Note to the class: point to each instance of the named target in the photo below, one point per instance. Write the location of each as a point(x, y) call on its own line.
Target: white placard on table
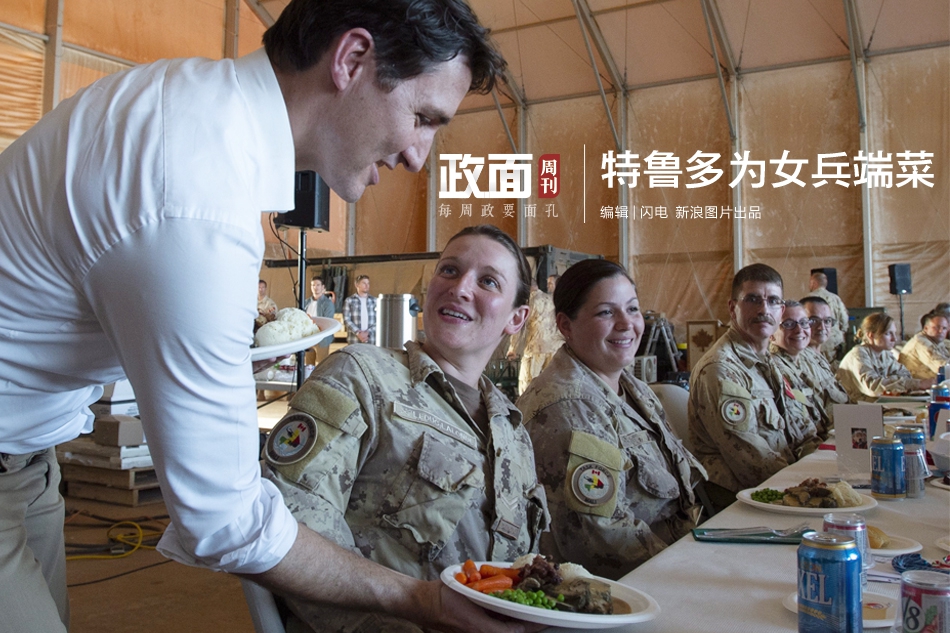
point(855, 426)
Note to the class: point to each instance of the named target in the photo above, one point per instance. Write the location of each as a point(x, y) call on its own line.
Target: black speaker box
point(900, 279)
point(311, 204)
point(832, 275)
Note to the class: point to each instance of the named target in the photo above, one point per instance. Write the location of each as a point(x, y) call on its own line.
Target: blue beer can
point(910, 436)
point(829, 584)
point(887, 469)
point(933, 411)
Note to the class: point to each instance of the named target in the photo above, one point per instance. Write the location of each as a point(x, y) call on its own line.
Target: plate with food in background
point(291, 332)
point(534, 590)
point(811, 498)
point(884, 544)
point(878, 611)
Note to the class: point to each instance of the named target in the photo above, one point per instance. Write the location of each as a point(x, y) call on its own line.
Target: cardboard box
point(104, 409)
point(118, 430)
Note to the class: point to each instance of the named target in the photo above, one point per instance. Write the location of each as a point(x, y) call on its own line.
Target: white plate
point(642, 606)
point(327, 328)
point(745, 496)
point(791, 603)
point(898, 545)
point(943, 543)
point(938, 483)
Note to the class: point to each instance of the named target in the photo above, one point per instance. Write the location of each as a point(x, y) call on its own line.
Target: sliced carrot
point(461, 578)
point(487, 571)
point(495, 583)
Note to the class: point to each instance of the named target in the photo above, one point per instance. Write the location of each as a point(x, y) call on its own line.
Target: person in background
point(359, 314)
point(552, 283)
point(925, 352)
point(318, 305)
point(818, 287)
point(266, 307)
point(819, 374)
point(541, 338)
point(414, 459)
point(788, 348)
point(870, 370)
point(137, 203)
point(618, 481)
point(743, 423)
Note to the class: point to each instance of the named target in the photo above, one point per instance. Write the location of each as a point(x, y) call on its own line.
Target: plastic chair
point(263, 608)
point(674, 399)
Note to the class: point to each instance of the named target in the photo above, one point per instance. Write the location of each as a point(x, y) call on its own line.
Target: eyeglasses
point(790, 324)
point(817, 321)
point(756, 300)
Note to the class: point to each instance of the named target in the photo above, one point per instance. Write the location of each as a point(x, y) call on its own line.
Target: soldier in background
point(819, 373)
point(540, 337)
point(818, 287)
point(925, 353)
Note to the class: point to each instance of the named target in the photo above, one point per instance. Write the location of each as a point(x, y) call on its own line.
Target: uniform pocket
point(651, 468)
point(443, 484)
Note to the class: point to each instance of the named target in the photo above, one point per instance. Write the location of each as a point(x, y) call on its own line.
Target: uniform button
point(497, 452)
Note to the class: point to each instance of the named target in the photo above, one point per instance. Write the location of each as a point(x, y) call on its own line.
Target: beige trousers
point(32, 549)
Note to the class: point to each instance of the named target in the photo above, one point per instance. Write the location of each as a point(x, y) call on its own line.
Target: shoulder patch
point(734, 410)
point(593, 485)
point(292, 439)
point(334, 406)
point(730, 388)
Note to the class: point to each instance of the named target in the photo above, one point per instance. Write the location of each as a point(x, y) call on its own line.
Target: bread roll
point(877, 537)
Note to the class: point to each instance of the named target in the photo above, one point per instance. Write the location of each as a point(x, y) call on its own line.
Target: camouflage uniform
point(836, 337)
point(806, 390)
point(400, 473)
point(866, 374)
point(541, 339)
point(744, 424)
point(576, 422)
point(819, 375)
point(922, 357)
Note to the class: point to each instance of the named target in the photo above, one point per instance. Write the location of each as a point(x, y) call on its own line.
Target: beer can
point(829, 584)
point(854, 526)
point(933, 412)
point(925, 603)
point(910, 436)
point(887, 469)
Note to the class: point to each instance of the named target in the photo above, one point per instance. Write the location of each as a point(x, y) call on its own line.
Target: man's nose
point(414, 157)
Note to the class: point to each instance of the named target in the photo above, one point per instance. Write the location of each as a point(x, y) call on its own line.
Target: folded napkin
point(709, 535)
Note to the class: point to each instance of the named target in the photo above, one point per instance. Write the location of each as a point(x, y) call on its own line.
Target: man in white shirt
point(137, 204)
point(359, 314)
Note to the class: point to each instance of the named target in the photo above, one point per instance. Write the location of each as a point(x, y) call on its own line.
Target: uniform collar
point(744, 350)
point(274, 158)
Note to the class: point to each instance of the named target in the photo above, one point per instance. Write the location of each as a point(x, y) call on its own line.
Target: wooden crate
point(131, 479)
point(120, 496)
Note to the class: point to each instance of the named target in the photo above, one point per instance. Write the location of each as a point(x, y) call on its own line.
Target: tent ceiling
point(652, 42)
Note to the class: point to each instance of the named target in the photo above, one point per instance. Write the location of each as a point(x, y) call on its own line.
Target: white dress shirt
point(130, 245)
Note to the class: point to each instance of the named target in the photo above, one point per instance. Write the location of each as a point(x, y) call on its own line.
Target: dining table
point(707, 587)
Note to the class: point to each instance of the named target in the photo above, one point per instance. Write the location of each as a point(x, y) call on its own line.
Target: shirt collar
point(275, 159)
point(743, 349)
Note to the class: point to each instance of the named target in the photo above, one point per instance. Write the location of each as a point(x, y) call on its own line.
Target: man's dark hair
point(815, 300)
point(410, 37)
point(930, 316)
point(523, 291)
point(576, 283)
point(755, 272)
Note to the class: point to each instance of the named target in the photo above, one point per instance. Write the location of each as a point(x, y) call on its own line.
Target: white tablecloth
point(707, 587)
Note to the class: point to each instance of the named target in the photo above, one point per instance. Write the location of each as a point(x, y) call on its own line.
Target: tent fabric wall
point(21, 84)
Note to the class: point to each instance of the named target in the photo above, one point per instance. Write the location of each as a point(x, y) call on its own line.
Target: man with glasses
point(820, 373)
point(818, 287)
point(743, 420)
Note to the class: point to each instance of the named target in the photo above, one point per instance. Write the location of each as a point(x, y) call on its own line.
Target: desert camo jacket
point(744, 422)
point(577, 425)
point(399, 472)
point(922, 357)
point(866, 374)
point(813, 384)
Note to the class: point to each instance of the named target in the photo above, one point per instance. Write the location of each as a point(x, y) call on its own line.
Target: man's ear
point(517, 320)
point(350, 56)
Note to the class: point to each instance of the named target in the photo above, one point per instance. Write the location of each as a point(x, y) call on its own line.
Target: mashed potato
point(291, 324)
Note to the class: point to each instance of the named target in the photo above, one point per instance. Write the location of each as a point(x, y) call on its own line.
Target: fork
point(758, 530)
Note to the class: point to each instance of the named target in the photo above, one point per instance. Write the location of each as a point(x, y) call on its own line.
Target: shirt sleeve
point(348, 317)
point(177, 301)
point(887, 375)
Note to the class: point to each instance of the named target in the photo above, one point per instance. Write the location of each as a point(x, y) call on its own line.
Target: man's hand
point(363, 336)
point(512, 356)
point(451, 612)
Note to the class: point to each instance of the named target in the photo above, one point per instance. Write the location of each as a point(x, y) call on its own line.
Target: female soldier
point(619, 482)
point(870, 370)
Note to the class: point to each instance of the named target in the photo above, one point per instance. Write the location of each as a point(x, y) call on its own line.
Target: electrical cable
point(125, 573)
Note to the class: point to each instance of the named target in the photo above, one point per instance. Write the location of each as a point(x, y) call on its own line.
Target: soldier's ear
point(563, 325)
point(518, 317)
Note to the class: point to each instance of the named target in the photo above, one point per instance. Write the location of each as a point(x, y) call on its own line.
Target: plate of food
point(941, 482)
point(291, 332)
point(878, 611)
point(811, 497)
point(943, 543)
point(588, 602)
point(884, 544)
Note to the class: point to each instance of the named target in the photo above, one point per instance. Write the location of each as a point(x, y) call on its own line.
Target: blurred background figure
point(359, 314)
point(540, 337)
point(266, 307)
point(926, 352)
point(618, 481)
point(818, 287)
point(870, 369)
point(318, 305)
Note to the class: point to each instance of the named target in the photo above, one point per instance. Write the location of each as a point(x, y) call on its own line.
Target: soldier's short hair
point(523, 292)
point(815, 300)
point(575, 284)
point(755, 272)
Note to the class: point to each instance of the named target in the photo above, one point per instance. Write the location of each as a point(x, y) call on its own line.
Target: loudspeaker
point(900, 279)
point(311, 204)
point(832, 275)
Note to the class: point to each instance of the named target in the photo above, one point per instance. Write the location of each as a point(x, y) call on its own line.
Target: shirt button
point(497, 452)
